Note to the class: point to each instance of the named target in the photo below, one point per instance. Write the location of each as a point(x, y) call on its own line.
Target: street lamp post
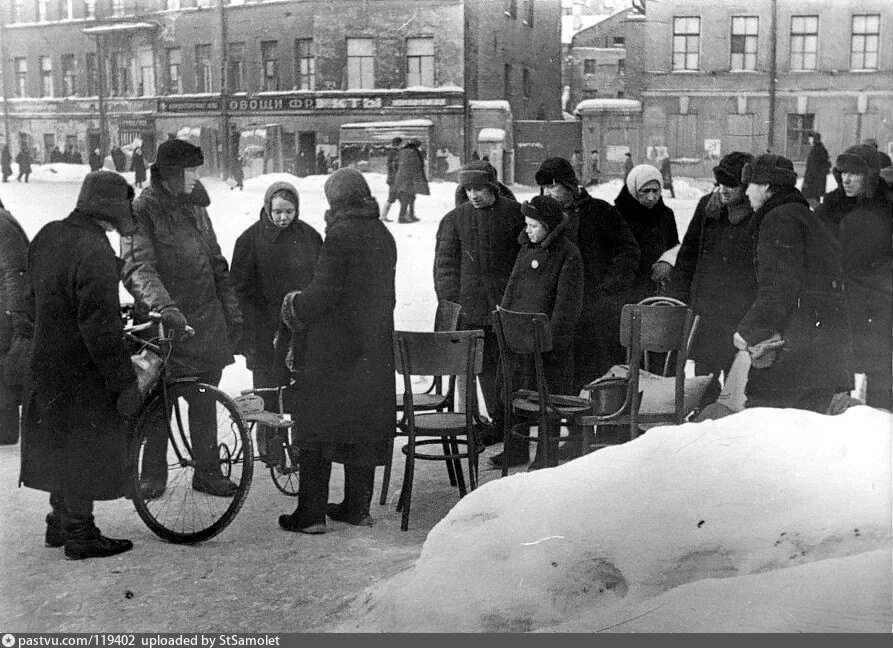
point(224, 95)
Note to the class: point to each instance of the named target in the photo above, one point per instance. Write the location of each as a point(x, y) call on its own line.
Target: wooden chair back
point(523, 333)
point(448, 353)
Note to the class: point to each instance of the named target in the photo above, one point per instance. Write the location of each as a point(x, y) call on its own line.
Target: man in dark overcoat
point(173, 265)
point(815, 176)
point(799, 298)
point(345, 409)
point(82, 384)
point(477, 244)
point(392, 163)
point(16, 328)
point(410, 180)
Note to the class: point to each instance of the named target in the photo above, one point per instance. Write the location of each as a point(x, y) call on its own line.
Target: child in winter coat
point(547, 278)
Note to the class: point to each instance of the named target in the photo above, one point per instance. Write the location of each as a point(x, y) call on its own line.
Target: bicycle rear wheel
point(168, 451)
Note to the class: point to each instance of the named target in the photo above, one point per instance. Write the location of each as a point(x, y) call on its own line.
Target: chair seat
point(525, 406)
point(266, 418)
point(423, 401)
point(440, 423)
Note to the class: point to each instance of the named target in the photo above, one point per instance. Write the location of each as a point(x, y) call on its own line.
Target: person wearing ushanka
point(82, 385)
point(714, 271)
point(274, 256)
point(547, 278)
point(797, 330)
point(859, 214)
point(173, 265)
point(345, 410)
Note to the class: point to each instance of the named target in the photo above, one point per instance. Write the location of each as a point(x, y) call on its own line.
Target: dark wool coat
point(345, 395)
point(23, 159)
point(73, 439)
point(410, 177)
point(474, 256)
point(716, 276)
point(800, 295)
point(610, 255)
point(268, 263)
point(864, 228)
point(13, 288)
point(815, 175)
point(95, 161)
point(393, 162)
point(655, 232)
point(138, 166)
point(6, 161)
point(173, 259)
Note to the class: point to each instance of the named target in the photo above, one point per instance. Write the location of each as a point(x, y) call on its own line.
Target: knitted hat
point(545, 209)
point(346, 187)
point(770, 169)
point(861, 158)
point(478, 174)
point(178, 154)
point(105, 195)
point(728, 171)
point(556, 170)
point(640, 175)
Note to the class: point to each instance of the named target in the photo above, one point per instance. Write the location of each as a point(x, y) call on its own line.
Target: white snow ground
point(796, 531)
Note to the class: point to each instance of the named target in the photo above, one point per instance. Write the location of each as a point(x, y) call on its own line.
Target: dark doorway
point(306, 158)
point(92, 140)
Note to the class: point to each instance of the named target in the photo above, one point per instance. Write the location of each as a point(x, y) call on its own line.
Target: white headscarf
point(640, 175)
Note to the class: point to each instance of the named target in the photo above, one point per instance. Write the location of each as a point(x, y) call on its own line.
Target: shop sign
point(142, 123)
point(320, 103)
point(189, 105)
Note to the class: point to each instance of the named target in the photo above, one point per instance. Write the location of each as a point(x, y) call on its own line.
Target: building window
point(511, 9)
point(146, 66)
point(682, 135)
point(42, 13)
point(46, 76)
point(69, 75)
point(686, 42)
point(305, 64)
point(172, 5)
point(360, 63)
point(744, 42)
point(20, 65)
point(120, 77)
point(804, 42)
point(530, 13)
point(618, 41)
point(525, 83)
point(117, 8)
point(90, 8)
point(507, 80)
point(66, 9)
point(235, 57)
point(799, 128)
point(174, 77)
point(269, 54)
point(864, 45)
point(621, 67)
point(92, 76)
point(589, 66)
point(203, 77)
point(18, 11)
point(420, 62)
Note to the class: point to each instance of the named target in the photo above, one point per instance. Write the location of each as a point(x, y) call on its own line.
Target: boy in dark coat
point(23, 159)
point(273, 257)
point(610, 255)
point(547, 278)
point(477, 244)
point(82, 383)
point(714, 271)
point(346, 410)
point(16, 328)
point(799, 298)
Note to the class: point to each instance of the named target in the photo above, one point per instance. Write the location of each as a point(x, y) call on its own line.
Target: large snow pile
point(60, 172)
point(766, 520)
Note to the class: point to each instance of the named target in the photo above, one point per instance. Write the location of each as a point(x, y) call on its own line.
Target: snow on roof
point(600, 105)
point(496, 104)
point(491, 135)
point(390, 124)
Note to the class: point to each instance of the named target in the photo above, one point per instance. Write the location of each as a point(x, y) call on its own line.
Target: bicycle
point(282, 454)
point(180, 513)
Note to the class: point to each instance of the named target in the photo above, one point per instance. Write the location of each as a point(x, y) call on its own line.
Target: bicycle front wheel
point(192, 463)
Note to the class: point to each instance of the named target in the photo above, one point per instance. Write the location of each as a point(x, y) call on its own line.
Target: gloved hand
point(129, 400)
point(661, 271)
point(174, 321)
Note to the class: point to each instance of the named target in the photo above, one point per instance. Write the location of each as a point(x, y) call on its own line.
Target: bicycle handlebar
point(154, 318)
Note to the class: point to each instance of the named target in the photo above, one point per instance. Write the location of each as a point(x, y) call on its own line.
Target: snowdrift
point(765, 520)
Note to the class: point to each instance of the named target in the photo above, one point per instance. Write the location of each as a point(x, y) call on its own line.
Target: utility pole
point(100, 81)
point(224, 90)
point(773, 72)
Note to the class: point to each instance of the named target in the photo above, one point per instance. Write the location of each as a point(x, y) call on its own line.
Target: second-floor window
point(590, 66)
point(305, 64)
point(269, 55)
point(236, 67)
point(686, 42)
point(511, 9)
point(804, 42)
point(744, 42)
point(864, 45)
point(92, 75)
point(174, 75)
point(20, 65)
point(18, 11)
point(42, 10)
point(172, 5)
point(117, 8)
point(69, 75)
point(90, 8)
point(203, 78)
point(46, 76)
point(66, 9)
point(419, 62)
point(360, 63)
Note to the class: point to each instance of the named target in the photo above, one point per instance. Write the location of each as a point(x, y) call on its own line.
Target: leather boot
point(153, 470)
point(313, 494)
point(82, 538)
point(358, 486)
point(55, 532)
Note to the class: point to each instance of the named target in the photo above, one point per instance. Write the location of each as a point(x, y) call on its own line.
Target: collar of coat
point(87, 222)
point(783, 196)
point(367, 211)
point(199, 196)
point(551, 237)
point(737, 212)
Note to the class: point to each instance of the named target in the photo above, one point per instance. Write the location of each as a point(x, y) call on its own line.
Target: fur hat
point(105, 195)
point(346, 187)
point(556, 170)
point(640, 175)
point(862, 158)
point(770, 169)
point(478, 174)
point(178, 154)
point(545, 209)
point(728, 171)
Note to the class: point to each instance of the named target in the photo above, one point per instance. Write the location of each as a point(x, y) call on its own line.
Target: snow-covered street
point(696, 523)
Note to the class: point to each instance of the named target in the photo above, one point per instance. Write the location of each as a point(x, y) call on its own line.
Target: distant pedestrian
point(392, 164)
point(119, 159)
point(23, 159)
point(138, 166)
point(577, 164)
point(238, 173)
point(76, 157)
point(55, 155)
point(322, 168)
point(594, 167)
point(666, 172)
point(410, 181)
point(95, 160)
point(627, 165)
point(817, 167)
point(6, 162)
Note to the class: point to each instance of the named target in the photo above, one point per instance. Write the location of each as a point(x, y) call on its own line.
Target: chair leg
point(385, 482)
point(460, 476)
point(406, 491)
point(451, 470)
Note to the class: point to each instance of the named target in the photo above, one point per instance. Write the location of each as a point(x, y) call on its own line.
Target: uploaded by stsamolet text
point(97, 640)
